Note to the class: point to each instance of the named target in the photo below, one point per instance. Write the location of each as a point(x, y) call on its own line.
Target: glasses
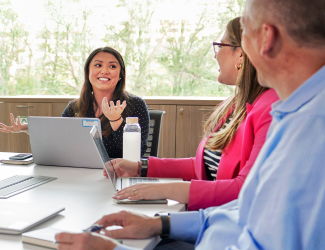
point(218, 46)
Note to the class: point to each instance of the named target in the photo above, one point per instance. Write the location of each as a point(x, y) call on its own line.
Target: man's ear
point(268, 33)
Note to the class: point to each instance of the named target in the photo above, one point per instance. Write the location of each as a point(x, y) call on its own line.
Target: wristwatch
point(165, 232)
point(144, 167)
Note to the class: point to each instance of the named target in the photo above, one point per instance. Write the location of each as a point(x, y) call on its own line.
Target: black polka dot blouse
point(136, 107)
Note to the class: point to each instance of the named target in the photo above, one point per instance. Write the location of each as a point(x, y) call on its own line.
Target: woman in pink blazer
point(237, 130)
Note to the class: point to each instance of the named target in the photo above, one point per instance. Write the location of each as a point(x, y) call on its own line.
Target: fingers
point(124, 233)
point(64, 237)
point(117, 160)
point(116, 234)
point(12, 118)
point(84, 241)
point(135, 226)
point(105, 106)
point(118, 104)
point(123, 105)
point(104, 173)
point(145, 191)
point(4, 128)
point(134, 192)
point(112, 219)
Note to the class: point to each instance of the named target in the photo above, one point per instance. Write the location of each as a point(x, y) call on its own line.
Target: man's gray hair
point(304, 20)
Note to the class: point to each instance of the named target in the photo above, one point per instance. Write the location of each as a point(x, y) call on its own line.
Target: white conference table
point(85, 194)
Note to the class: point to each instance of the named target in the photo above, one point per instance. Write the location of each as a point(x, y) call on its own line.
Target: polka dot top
point(136, 107)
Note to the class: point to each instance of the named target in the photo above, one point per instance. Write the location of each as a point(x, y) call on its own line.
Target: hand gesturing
point(16, 127)
point(111, 111)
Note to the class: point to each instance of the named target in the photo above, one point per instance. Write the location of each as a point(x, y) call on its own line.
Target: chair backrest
point(156, 117)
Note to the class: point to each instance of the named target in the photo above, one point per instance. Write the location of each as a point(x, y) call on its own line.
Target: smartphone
point(20, 157)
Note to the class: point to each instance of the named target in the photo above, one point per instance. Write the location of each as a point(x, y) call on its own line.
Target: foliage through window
point(166, 44)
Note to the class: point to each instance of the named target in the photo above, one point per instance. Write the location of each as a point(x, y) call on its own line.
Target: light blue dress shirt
point(282, 202)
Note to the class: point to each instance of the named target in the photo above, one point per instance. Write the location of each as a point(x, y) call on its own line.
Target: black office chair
point(156, 117)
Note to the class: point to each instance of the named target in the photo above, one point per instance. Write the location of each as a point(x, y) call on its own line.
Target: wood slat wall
point(182, 124)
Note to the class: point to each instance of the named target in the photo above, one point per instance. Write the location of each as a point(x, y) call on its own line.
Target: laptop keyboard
point(142, 180)
point(20, 183)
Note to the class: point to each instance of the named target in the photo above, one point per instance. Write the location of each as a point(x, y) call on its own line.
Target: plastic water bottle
point(132, 139)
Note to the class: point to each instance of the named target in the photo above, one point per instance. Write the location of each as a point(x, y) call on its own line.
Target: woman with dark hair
point(234, 135)
point(103, 96)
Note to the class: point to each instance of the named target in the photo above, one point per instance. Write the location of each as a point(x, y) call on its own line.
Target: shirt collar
point(311, 87)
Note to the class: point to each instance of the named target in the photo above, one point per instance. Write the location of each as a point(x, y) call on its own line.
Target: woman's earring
point(238, 68)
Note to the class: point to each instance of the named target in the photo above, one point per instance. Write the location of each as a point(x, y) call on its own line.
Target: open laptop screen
point(103, 154)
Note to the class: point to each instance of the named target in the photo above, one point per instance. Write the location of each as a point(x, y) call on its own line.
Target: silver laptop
point(122, 182)
point(63, 141)
point(16, 217)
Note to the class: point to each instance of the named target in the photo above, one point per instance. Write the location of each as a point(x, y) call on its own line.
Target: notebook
point(120, 183)
point(43, 237)
point(17, 217)
point(17, 162)
point(63, 141)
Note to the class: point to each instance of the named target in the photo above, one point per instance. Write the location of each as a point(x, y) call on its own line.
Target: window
point(166, 44)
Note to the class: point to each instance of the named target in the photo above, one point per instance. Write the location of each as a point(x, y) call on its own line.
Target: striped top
point(212, 158)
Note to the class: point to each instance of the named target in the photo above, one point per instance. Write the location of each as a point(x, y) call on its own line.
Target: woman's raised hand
point(15, 127)
point(111, 111)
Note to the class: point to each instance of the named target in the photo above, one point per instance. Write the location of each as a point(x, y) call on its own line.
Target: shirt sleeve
point(172, 168)
point(185, 226)
point(283, 203)
point(212, 228)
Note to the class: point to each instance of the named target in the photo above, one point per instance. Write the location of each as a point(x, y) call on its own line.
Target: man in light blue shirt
point(282, 202)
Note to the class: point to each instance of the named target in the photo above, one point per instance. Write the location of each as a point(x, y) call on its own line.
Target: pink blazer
point(235, 163)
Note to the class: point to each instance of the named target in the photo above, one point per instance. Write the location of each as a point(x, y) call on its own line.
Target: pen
point(93, 228)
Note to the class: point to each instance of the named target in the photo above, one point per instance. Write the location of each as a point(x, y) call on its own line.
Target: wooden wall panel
point(189, 128)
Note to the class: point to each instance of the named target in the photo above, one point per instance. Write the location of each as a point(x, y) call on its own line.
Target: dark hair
point(303, 20)
point(86, 96)
point(248, 89)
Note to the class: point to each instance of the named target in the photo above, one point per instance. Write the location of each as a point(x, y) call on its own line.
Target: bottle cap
point(131, 119)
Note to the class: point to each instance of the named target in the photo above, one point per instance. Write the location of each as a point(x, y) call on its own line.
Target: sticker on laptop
point(23, 119)
point(89, 123)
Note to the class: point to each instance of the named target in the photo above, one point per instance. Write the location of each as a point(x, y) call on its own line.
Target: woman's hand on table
point(124, 168)
point(178, 191)
point(15, 127)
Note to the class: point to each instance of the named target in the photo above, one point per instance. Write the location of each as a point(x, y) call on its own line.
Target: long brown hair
point(247, 91)
point(86, 96)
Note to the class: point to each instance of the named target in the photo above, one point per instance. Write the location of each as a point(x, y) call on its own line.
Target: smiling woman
point(103, 96)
